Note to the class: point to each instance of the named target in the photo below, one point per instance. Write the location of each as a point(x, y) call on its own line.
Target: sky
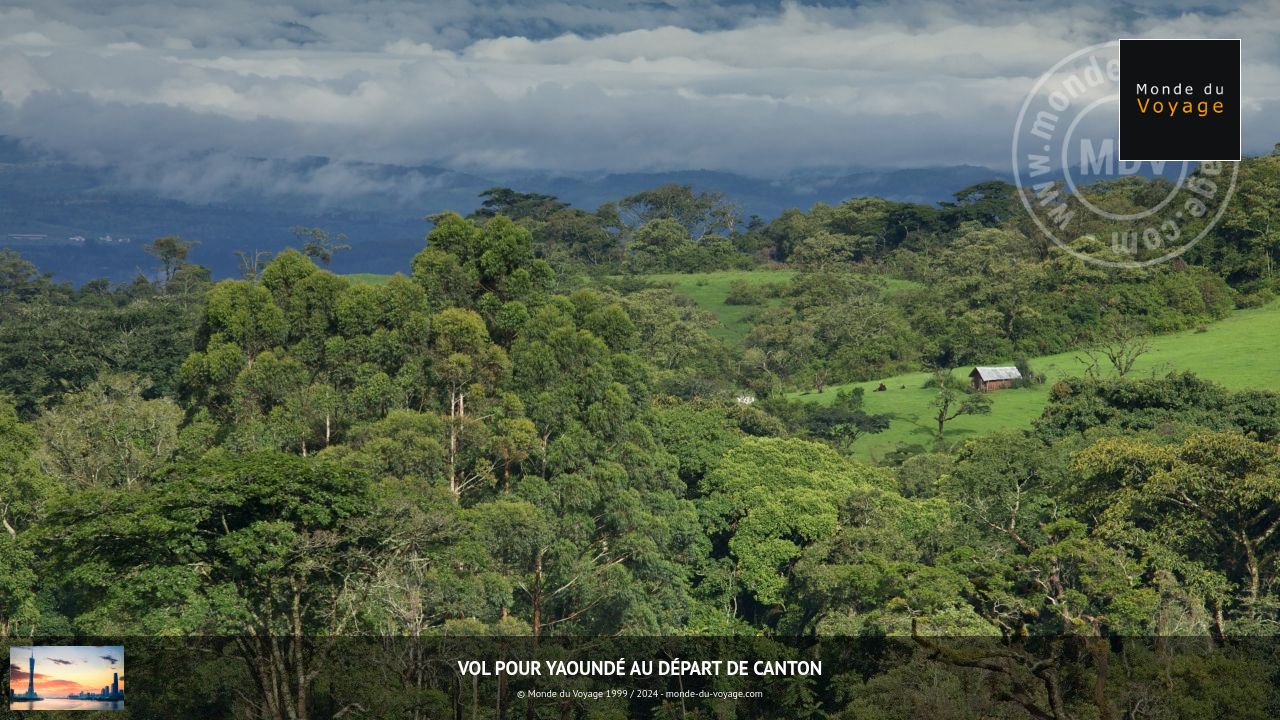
point(62, 670)
point(758, 88)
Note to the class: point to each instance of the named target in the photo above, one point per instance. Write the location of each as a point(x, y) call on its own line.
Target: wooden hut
point(986, 379)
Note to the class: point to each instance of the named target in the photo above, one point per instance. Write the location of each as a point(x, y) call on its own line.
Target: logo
point(1180, 99)
point(1087, 201)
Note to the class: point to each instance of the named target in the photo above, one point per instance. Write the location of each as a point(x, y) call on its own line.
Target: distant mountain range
point(82, 221)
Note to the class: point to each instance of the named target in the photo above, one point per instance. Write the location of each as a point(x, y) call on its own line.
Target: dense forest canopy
point(526, 434)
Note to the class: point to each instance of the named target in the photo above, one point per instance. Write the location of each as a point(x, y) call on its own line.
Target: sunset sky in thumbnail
point(63, 670)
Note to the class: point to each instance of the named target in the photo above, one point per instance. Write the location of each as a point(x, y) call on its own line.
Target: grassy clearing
point(1238, 352)
point(709, 290)
point(369, 278)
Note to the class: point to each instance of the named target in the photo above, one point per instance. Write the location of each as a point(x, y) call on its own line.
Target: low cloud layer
point(754, 88)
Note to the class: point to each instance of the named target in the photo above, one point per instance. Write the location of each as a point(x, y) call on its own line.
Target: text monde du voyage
point(1175, 100)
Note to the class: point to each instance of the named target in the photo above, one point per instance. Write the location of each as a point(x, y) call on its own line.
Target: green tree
point(22, 486)
point(844, 421)
point(951, 401)
point(318, 244)
point(466, 363)
point(171, 251)
point(825, 251)
point(697, 212)
point(267, 547)
point(1245, 244)
point(879, 573)
point(1174, 401)
point(406, 444)
point(24, 490)
point(1038, 576)
point(579, 235)
point(517, 205)
point(655, 244)
point(987, 202)
point(52, 344)
point(246, 314)
point(466, 266)
point(1211, 503)
point(673, 335)
point(109, 435)
point(1122, 342)
point(19, 279)
point(769, 498)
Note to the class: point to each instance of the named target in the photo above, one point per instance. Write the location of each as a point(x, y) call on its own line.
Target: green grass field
point(369, 278)
point(1238, 352)
point(709, 290)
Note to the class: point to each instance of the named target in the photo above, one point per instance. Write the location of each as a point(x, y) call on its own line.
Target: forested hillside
point(90, 220)
point(537, 431)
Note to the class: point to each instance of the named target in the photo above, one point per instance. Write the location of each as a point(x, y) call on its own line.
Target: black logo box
point(1186, 64)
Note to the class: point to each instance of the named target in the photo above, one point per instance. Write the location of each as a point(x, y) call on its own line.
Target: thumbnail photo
point(66, 677)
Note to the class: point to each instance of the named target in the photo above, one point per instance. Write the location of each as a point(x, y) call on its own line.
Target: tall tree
point(698, 212)
point(109, 435)
point(1212, 502)
point(954, 400)
point(171, 251)
point(24, 493)
point(517, 205)
point(467, 365)
point(769, 498)
point(19, 279)
point(246, 314)
point(267, 548)
point(318, 244)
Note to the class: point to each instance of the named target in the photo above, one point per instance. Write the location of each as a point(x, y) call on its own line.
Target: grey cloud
point(365, 24)
point(180, 93)
point(219, 176)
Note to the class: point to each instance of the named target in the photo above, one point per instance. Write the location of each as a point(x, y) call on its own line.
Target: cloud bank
point(754, 88)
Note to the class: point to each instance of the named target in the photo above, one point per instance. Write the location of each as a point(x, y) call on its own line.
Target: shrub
point(1030, 378)
point(1255, 299)
point(743, 293)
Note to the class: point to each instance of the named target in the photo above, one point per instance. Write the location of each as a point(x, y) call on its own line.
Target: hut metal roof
point(996, 373)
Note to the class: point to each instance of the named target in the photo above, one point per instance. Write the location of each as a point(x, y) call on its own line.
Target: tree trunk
point(300, 667)
point(536, 599)
point(502, 693)
point(1100, 648)
point(457, 413)
point(1251, 567)
point(1219, 633)
point(506, 472)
